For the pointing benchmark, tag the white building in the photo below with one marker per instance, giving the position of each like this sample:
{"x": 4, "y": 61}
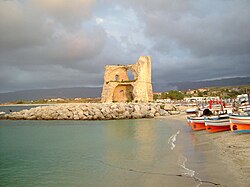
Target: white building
{"x": 200, "y": 99}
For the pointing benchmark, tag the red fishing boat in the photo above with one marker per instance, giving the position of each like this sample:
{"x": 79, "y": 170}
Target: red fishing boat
{"x": 188, "y": 120}
{"x": 217, "y": 123}
{"x": 197, "y": 123}
{"x": 240, "y": 123}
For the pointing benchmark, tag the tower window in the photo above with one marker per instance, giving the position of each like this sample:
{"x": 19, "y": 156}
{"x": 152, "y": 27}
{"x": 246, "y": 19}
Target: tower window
{"x": 116, "y": 77}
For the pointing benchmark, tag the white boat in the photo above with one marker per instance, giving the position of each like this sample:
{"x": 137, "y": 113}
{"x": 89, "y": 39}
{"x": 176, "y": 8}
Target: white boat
{"x": 192, "y": 110}
{"x": 240, "y": 119}
{"x": 217, "y": 123}
{"x": 2, "y": 113}
{"x": 240, "y": 123}
{"x": 245, "y": 108}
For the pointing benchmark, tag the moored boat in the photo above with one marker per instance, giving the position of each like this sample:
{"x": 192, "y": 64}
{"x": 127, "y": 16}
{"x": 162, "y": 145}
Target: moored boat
{"x": 245, "y": 108}
{"x": 217, "y": 123}
{"x": 240, "y": 123}
{"x": 197, "y": 123}
{"x": 192, "y": 110}
{"x": 2, "y": 113}
{"x": 188, "y": 120}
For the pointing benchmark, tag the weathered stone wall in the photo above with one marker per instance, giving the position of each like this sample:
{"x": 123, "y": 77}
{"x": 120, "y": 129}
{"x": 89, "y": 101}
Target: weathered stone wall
{"x": 113, "y": 75}
{"x": 117, "y": 76}
{"x": 111, "y": 72}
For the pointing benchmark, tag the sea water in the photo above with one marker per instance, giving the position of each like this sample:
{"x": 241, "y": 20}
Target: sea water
{"x": 143, "y": 152}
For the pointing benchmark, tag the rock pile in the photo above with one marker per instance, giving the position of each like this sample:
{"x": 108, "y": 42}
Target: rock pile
{"x": 92, "y": 111}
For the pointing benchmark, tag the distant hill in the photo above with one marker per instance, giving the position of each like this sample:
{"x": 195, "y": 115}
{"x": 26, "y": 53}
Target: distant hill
{"x": 51, "y": 93}
{"x": 201, "y": 84}
{"x": 92, "y": 92}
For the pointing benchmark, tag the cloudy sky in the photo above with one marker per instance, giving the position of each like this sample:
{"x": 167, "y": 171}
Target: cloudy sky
{"x": 61, "y": 43}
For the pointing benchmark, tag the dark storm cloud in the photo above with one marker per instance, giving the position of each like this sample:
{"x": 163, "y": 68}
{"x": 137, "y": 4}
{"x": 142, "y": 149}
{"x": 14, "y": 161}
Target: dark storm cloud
{"x": 196, "y": 39}
{"x": 45, "y": 44}
{"x": 69, "y": 13}
{"x": 64, "y": 49}
{"x": 87, "y": 72}
{"x": 201, "y": 68}
{"x": 18, "y": 29}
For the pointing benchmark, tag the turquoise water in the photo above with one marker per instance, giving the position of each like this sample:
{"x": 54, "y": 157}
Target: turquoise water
{"x": 146, "y": 152}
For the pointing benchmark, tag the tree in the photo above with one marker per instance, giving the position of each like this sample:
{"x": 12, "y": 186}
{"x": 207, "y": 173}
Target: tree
{"x": 200, "y": 94}
{"x": 164, "y": 95}
{"x": 175, "y": 94}
{"x": 156, "y": 96}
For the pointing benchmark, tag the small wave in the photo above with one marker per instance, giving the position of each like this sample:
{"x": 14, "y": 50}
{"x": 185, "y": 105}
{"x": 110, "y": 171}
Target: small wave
{"x": 172, "y": 140}
{"x": 188, "y": 172}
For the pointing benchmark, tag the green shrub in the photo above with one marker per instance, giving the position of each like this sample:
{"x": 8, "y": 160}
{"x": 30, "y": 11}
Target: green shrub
{"x": 20, "y": 102}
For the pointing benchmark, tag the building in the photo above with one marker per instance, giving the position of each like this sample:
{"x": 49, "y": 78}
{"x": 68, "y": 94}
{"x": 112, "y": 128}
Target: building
{"x": 200, "y": 99}
{"x": 118, "y": 87}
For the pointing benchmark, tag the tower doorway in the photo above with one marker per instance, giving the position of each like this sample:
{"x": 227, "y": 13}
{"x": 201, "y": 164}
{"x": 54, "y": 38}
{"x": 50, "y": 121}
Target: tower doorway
{"x": 123, "y": 93}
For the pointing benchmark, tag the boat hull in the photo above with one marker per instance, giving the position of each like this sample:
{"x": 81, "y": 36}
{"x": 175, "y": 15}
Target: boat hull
{"x": 211, "y": 128}
{"x": 197, "y": 123}
{"x": 217, "y": 124}
{"x": 188, "y": 121}
{"x": 191, "y": 112}
{"x": 240, "y": 124}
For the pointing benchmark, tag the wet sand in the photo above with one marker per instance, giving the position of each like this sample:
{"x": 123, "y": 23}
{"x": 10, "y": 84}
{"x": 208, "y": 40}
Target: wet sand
{"x": 233, "y": 149}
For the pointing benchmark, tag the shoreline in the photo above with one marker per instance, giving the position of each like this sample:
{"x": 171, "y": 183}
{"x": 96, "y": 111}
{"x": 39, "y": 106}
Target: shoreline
{"x": 153, "y": 151}
{"x": 233, "y": 149}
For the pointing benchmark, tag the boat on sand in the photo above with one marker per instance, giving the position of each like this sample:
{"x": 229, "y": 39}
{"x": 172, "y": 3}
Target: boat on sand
{"x": 188, "y": 120}
{"x": 217, "y": 123}
{"x": 192, "y": 110}
{"x": 197, "y": 123}
{"x": 240, "y": 123}
{"x": 2, "y": 113}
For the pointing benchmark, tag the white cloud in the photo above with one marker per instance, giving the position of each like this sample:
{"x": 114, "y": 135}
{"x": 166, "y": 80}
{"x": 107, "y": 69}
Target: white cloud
{"x": 99, "y": 20}
{"x": 66, "y": 12}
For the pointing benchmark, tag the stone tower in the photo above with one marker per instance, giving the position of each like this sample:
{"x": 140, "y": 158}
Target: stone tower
{"x": 117, "y": 86}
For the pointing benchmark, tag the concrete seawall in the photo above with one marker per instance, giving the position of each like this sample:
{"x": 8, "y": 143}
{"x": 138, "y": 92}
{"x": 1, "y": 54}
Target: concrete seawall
{"x": 93, "y": 111}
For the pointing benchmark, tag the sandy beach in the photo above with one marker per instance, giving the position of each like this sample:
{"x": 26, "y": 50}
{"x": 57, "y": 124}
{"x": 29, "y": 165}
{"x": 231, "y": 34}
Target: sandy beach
{"x": 233, "y": 149}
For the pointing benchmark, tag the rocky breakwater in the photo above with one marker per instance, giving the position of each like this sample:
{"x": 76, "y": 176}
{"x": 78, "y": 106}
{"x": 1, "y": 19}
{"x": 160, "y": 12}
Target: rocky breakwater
{"x": 92, "y": 111}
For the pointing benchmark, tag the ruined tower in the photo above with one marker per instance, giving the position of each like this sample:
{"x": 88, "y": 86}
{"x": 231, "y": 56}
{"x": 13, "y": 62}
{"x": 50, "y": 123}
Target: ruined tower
{"x": 119, "y": 88}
